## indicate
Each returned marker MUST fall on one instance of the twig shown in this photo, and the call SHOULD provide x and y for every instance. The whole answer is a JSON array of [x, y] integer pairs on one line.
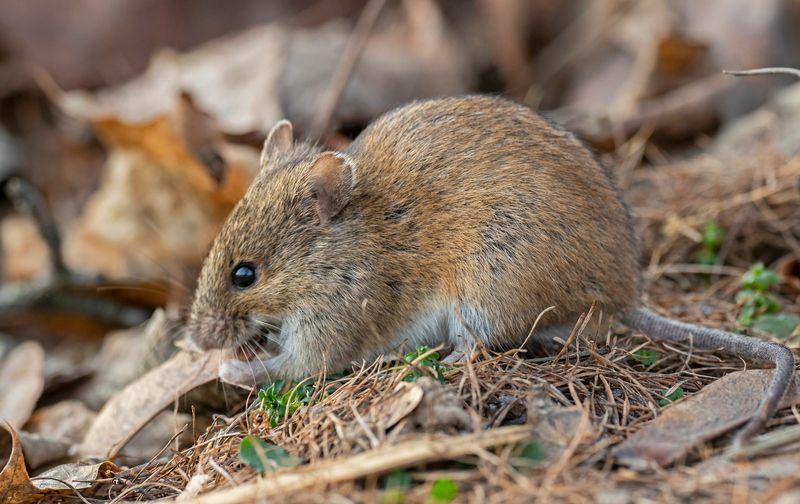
[[352, 51], [765, 71], [386, 458], [27, 199]]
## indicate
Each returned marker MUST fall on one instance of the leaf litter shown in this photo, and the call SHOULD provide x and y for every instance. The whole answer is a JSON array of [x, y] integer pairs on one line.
[[180, 144]]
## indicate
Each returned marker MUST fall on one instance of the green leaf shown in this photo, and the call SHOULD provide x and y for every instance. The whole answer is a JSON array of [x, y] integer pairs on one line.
[[671, 397], [427, 365], [646, 356], [713, 236], [276, 404], [262, 456], [444, 490], [528, 455], [781, 325], [759, 278], [706, 257]]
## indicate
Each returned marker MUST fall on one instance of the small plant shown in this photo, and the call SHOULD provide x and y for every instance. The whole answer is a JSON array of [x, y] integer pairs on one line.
[[754, 299], [262, 456], [444, 490], [429, 363], [669, 397], [646, 356], [276, 404], [527, 455], [713, 236]]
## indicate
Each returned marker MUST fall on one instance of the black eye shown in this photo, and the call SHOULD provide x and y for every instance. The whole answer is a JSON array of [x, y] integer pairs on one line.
[[243, 275]]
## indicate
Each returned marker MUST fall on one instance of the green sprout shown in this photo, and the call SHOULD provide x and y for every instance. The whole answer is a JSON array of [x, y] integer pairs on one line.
[[278, 405], [444, 490], [713, 237], [669, 397], [646, 356], [753, 299], [262, 456], [527, 455], [428, 365]]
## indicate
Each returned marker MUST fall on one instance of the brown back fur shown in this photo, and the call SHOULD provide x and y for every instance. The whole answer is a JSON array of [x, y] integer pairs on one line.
[[472, 204]]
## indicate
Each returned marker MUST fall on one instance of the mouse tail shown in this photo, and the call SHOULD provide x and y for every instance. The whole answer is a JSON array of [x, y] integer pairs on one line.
[[782, 358]]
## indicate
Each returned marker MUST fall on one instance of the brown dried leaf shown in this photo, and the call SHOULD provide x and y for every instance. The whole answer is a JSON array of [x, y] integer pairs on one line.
[[15, 485], [21, 383], [130, 409], [405, 398], [235, 79], [158, 207], [42, 449], [718, 408], [66, 420], [25, 255], [79, 476]]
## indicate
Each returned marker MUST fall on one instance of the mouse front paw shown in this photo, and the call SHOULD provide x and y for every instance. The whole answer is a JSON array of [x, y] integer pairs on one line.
[[244, 374]]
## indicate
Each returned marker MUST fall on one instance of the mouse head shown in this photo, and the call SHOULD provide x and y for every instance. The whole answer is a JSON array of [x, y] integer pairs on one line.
[[275, 248]]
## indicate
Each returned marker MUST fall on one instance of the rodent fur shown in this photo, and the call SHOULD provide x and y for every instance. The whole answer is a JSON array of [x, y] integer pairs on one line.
[[445, 220]]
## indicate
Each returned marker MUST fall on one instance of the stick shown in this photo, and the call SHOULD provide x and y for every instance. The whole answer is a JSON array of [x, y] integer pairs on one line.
[[352, 51], [28, 200], [386, 458], [765, 71]]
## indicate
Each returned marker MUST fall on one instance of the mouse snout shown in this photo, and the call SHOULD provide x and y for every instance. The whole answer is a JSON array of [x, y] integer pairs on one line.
[[209, 331]]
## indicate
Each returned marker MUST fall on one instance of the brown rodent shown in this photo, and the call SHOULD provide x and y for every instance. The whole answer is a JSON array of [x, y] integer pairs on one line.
[[444, 221]]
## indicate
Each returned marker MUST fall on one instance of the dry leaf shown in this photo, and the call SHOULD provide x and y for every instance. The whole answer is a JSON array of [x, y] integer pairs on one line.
[[130, 409], [66, 420], [404, 399], [79, 476], [125, 356], [716, 409], [157, 208], [235, 79], [15, 486], [21, 383], [25, 255], [42, 449]]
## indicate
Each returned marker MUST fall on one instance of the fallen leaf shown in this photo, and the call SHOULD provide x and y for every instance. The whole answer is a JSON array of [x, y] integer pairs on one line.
[[125, 356], [555, 426], [42, 449], [79, 476], [716, 409], [235, 79], [405, 397], [15, 485], [66, 420], [156, 434], [135, 405], [21, 383], [25, 255]]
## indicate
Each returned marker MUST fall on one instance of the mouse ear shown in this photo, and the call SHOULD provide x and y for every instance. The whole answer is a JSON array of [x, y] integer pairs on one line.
[[331, 179], [279, 140]]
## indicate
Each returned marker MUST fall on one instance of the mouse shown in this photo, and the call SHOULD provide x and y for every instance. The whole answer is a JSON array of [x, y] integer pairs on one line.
[[453, 221]]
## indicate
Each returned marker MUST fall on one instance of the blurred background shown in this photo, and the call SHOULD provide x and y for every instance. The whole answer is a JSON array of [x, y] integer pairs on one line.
[[130, 128]]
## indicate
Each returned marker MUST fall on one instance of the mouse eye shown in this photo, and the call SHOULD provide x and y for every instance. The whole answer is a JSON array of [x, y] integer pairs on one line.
[[243, 275]]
